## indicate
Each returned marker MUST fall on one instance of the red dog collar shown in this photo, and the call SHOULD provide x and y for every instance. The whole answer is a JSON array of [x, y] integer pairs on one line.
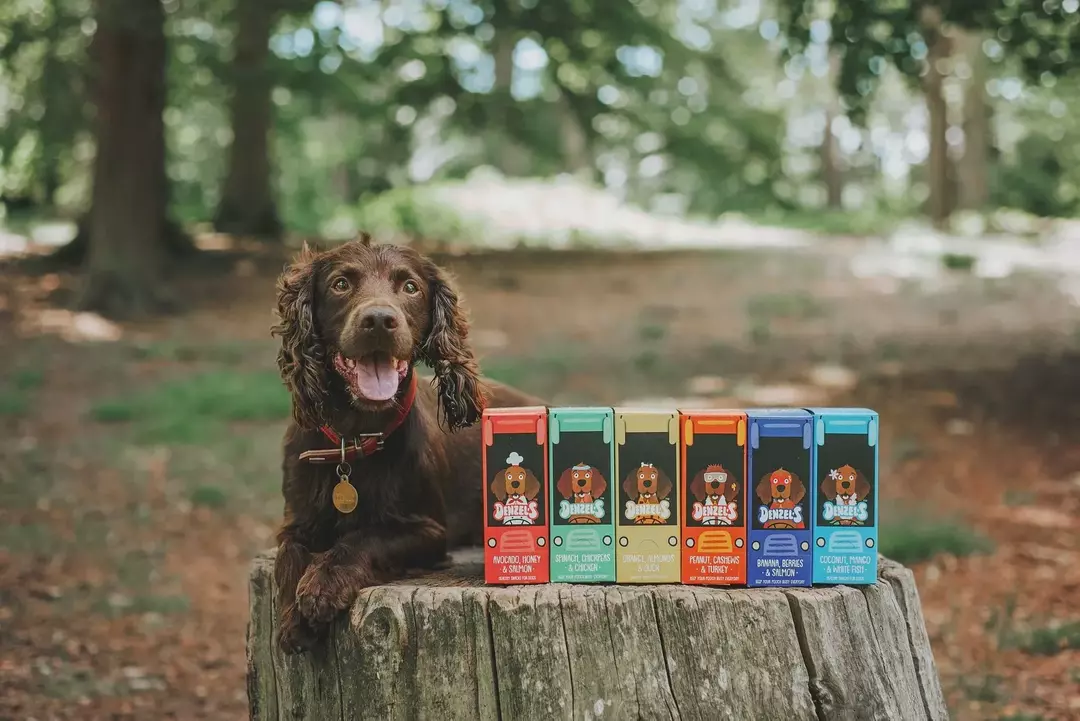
[[366, 443]]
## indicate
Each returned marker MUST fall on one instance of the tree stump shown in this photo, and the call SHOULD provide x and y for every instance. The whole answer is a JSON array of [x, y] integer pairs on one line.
[[446, 647]]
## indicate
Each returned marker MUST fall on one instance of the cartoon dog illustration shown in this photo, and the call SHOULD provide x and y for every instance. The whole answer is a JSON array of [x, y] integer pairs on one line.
[[645, 488], [516, 489], [582, 485], [717, 491], [780, 493], [845, 487]]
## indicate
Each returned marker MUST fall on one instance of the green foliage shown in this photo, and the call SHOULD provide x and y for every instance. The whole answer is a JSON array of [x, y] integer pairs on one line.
[[209, 497], [1049, 640], [913, 538], [1035, 184], [197, 408], [415, 214], [16, 392]]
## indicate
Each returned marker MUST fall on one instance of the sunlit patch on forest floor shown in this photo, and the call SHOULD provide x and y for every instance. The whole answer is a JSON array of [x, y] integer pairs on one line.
[[139, 464]]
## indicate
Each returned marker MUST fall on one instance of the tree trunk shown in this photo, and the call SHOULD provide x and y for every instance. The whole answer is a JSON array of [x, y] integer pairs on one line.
[[508, 156], [830, 169], [573, 142], [247, 205], [123, 265], [933, 81], [445, 646], [974, 166]]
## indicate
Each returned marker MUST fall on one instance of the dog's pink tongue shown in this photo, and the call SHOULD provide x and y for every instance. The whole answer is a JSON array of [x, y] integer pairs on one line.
[[377, 378]]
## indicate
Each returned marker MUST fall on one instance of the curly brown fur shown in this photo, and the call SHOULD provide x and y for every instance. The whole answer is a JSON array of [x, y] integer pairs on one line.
[[417, 496]]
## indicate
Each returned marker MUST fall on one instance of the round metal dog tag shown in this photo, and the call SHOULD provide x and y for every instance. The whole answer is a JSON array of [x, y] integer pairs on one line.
[[345, 497]]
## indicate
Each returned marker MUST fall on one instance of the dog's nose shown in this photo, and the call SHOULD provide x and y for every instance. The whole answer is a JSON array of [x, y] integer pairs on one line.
[[648, 483], [515, 484], [845, 484], [379, 319], [781, 487]]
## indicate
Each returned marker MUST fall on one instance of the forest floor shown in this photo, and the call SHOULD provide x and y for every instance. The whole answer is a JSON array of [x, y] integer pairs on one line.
[[139, 463]]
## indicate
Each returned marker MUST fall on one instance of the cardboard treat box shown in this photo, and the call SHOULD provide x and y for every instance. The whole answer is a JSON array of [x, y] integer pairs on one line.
[[713, 482], [581, 458], [515, 495], [780, 466], [647, 511], [844, 495]]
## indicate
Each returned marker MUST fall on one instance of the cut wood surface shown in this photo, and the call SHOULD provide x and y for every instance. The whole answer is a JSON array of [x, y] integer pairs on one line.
[[444, 647]]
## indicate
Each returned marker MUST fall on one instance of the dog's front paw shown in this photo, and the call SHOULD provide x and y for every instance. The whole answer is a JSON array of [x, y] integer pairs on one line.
[[295, 634], [325, 590]]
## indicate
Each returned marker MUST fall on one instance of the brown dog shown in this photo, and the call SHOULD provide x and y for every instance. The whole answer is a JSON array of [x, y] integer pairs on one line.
[[354, 322], [581, 484], [845, 486], [781, 491], [647, 485]]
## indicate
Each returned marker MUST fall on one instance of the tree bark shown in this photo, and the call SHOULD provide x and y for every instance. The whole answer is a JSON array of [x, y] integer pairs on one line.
[[247, 205], [508, 156], [444, 646], [573, 142], [830, 170], [974, 166], [123, 265], [933, 81]]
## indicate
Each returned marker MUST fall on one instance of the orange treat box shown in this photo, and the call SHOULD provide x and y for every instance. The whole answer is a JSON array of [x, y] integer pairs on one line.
[[713, 484]]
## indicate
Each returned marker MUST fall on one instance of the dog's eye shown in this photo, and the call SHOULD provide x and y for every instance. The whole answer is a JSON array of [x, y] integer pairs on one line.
[[340, 285], [410, 287]]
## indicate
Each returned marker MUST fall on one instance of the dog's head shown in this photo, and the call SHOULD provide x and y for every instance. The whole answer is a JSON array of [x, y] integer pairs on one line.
[[845, 481], [581, 479], [648, 482], [353, 320], [515, 481], [780, 485], [715, 481]]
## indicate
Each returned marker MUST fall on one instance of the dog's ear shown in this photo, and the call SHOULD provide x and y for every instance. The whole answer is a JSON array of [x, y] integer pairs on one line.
[[302, 356], [629, 485], [563, 485], [447, 351], [498, 485], [828, 487], [663, 484], [697, 486], [599, 484], [798, 489], [862, 486], [764, 489], [532, 485]]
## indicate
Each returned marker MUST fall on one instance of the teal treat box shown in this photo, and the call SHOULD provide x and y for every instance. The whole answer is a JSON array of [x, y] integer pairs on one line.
[[581, 458], [845, 496]]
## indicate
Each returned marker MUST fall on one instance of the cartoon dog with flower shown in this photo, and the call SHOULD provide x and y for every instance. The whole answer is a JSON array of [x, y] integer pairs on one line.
[[845, 490]]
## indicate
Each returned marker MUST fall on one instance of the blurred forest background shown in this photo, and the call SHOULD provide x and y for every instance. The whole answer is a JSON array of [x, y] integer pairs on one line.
[[764, 202]]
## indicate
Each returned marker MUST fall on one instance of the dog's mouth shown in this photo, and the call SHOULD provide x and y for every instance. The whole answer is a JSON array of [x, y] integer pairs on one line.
[[373, 377]]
